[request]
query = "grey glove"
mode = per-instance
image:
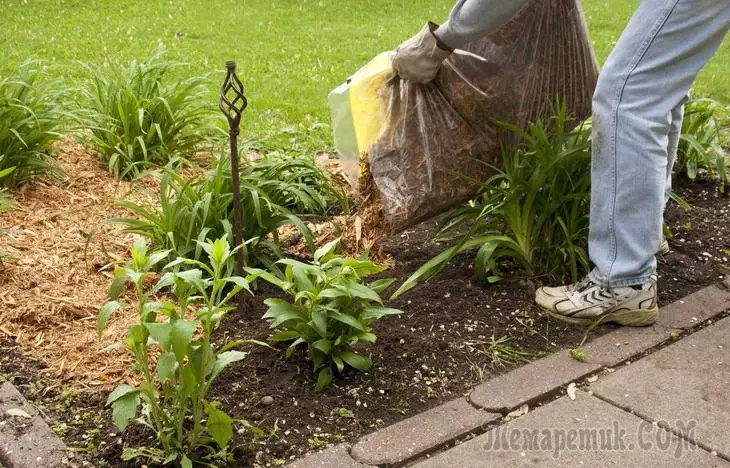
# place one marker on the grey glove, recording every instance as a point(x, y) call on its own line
point(420, 57)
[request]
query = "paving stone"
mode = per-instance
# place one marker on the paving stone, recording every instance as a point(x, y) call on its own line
point(685, 386)
point(421, 433)
point(335, 457)
point(695, 308)
point(585, 432)
point(530, 383)
point(619, 345)
point(25, 442)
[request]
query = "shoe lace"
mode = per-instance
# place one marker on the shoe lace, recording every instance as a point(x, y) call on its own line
point(581, 285)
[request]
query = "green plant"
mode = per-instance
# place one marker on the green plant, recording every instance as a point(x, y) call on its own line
point(272, 191)
point(534, 210)
point(331, 309)
point(174, 388)
point(4, 201)
point(699, 143)
point(30, 122)
point(579, 354)
point(139, 117)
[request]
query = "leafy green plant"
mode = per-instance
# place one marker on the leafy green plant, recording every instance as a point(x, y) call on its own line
point(579, 354)
point(30, 122)
point(331, 309)
point(699, 143)
point(140, 117)
point(173, 391)
point(272, 191)
point(534, 210)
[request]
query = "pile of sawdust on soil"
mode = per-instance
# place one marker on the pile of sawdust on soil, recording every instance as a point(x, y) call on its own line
point(360, 231)
point(50, 292)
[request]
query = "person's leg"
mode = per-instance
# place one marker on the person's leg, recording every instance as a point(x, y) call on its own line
point(647, 76)
point(645, 79)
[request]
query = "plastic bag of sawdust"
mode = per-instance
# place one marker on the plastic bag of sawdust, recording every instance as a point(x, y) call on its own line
point(412, 146)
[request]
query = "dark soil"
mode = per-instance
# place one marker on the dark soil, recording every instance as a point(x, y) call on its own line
point(454, 333)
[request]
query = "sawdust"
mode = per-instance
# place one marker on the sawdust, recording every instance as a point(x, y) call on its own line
point(50, 292)
point(359, 232)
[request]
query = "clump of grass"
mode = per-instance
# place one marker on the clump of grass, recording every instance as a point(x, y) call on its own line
point(500, 351)
point(274, 192)
point(139, 116)
point(30, 122)
point(534, 211)
point(699, 143)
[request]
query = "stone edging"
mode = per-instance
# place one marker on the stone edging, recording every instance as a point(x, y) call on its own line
point(26, 441)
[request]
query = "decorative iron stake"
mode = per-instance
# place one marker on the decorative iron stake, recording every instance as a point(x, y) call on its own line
point(232, 104)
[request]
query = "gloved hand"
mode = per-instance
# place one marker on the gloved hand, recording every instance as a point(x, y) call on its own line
point(420, 57)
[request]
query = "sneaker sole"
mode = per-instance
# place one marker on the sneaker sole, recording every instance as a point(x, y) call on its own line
point(625, 317)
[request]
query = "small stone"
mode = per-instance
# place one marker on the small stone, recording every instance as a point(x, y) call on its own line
point(267, 400)
point(18, 413)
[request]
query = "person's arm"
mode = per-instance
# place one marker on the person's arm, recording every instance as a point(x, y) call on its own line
point(470, 20)
point(419, 58)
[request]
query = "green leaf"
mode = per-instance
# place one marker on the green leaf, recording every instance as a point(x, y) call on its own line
point(348, 320)
point(193, 277)
point(285, 336)
point(323, 345)
point(185, 462)
point(363, 292)
point(357, 361)
point(323, 379)
point(160, 332)
point(255, 273)
point(180, 336)
point(104, 313)
point(115, 289)
point(339, 363)
point(119, 392)
point(381, 285)
point(224, 359)
point(124, 409)
point(367, 337)
point(166, 364)
point(292, 347)
point(377, 312)
point(219, 425)
point(319, 321)
point(280, 311)
point(325, 251)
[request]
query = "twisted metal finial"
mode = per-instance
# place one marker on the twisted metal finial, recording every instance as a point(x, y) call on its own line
point(232, 103)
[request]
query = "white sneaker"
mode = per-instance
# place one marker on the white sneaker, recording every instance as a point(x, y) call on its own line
point(586, 303)
point(663, 248)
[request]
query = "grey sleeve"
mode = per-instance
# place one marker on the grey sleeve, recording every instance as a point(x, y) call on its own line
point(473, 19)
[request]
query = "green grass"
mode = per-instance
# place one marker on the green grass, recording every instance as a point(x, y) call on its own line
point(291, 53)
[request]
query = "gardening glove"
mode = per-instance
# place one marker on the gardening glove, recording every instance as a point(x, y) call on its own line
point(420, 57)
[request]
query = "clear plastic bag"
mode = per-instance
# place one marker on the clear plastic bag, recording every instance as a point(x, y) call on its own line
point(416, 144)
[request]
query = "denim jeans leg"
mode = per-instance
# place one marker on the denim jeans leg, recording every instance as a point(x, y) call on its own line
point(675, 131)
point(645, 80)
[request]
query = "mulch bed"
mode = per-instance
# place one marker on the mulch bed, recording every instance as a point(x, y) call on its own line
point(436, 351)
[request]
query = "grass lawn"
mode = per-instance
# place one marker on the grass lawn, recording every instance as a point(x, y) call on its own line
point(291, 53)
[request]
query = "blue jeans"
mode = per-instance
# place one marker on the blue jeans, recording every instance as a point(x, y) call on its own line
point(637, 115)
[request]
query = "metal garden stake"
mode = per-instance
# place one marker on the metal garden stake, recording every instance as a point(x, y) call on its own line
point(232, 104)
